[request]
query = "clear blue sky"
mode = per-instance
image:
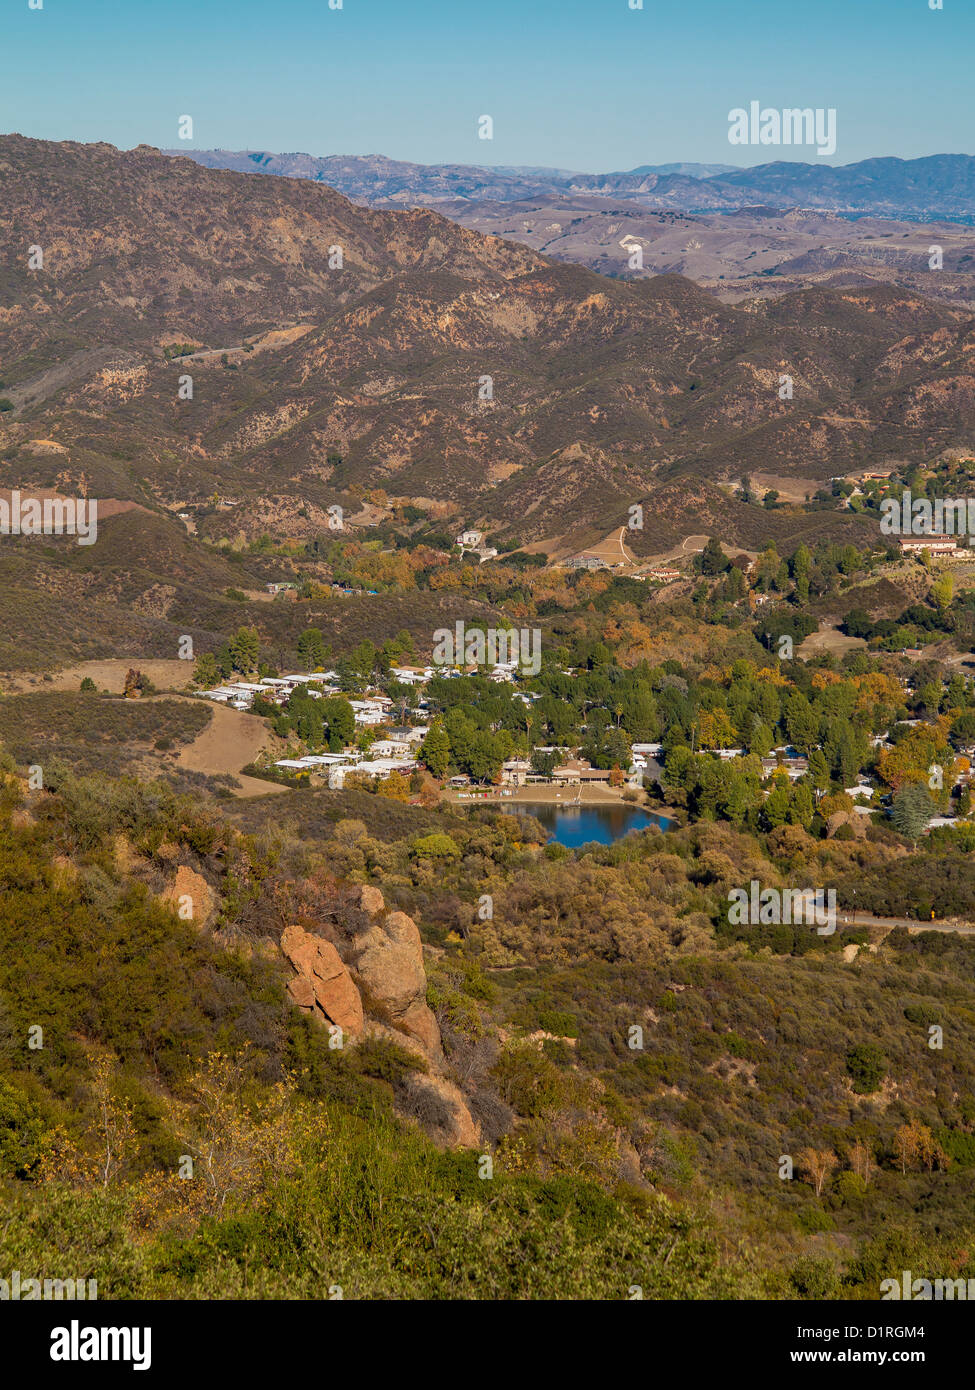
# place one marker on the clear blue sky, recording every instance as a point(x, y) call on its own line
point(580, 84)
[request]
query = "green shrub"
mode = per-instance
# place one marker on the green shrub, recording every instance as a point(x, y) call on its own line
point(867, 1067)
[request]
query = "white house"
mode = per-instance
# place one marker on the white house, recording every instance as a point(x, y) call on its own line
point(391, 748)
point(367, 715)
point(372, 767)
point(411, 675)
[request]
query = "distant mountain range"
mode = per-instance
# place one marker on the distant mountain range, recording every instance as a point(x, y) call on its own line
point(935, 186)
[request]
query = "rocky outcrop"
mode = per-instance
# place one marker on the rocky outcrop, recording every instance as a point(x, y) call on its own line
point(322, 983)
point(379, 991)
point(192, 897)
point(445, 1102)
point(389, 962)
point(371, 900)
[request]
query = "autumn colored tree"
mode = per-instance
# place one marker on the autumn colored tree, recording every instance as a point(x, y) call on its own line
point(862, 1161)
point(395, 787)
point(816, 1166)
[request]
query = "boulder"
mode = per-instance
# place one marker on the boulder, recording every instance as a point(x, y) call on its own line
point(390, 967)
point(382, 1030)
point(301, 948)
point(322, 981)
point(455, 1121)
point(192, 897)
point(371, 900)
point(336, 995)
point(302, 992)
point(420, 1023)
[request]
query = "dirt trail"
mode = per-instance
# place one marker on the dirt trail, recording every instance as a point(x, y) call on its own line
point(230, 741)
point(888, 924)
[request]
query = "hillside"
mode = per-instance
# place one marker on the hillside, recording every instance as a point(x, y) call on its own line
point(318, 378)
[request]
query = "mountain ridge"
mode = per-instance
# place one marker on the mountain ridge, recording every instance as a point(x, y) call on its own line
point(317, 378)
point(930, 186)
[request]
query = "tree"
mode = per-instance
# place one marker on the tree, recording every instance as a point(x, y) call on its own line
point(435, 750)
point(942, 592)
point(866, 1066)
point(713, 559)
point(543, 763)
point(485, 755)
point(312, 649)
point(761, 741)
point(395, 787)
point(363, 659)
point(339, 717)
point(816, 1166)
point(963, 729)
point(715, 729)
point(862, 1161)
point(915, 1144)
point(205, 672)
point(801, 722)
point(911, 810)
point(776, 808)
point(245, 649)
point(801, 562)
point(435, 846)
point(818, 770)
point(801, 807)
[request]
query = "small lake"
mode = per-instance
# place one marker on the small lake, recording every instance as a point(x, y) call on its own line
point(573, 826)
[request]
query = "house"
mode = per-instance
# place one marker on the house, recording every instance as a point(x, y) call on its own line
point(575, 771)
point(934, 545)
point(367, 712)
point(405, 733)
point(390, 748)
point(586, 562)
point(471, 540)
point(504, 671)
point(667, 575)
point(372, 767)
point(317, 762)
point(317, 677)
point(279, 588)
point(794, 768)
point(515, 772)
point(411, 675)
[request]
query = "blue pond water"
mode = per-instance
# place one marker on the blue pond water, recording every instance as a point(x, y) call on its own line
point(581, 825)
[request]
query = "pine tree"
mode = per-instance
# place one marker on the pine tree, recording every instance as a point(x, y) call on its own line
point(435, 750)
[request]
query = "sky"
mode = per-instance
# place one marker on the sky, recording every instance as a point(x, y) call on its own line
point(586, 85)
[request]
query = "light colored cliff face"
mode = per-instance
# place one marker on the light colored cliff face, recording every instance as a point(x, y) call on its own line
point(379, 991)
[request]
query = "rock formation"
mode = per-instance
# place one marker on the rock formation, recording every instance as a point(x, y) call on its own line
point(322, 984)
point(192, 897)
point(379, 991)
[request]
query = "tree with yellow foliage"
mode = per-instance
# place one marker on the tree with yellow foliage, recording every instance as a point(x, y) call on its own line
point(816, 1166)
